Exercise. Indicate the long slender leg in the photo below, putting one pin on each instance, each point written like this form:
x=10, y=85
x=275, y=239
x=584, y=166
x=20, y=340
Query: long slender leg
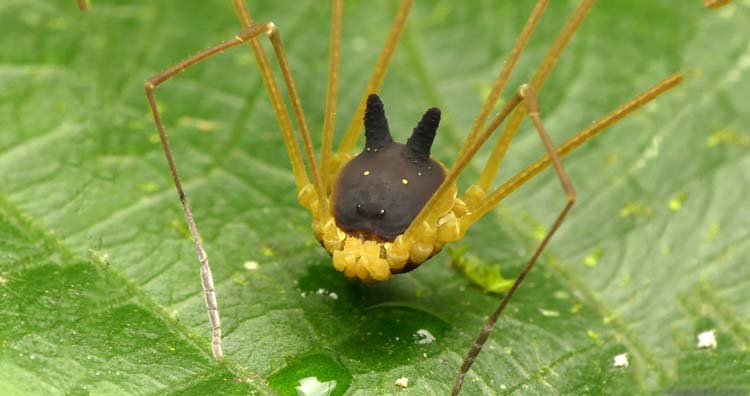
x=428, y=211
x=716, y=3
x=553, y=157
x=532, y=170
x=322, y=209
x=281, y=113
x=532, y=109
x=206, y=276
x=507, y=69
x=571, y=144
x=378, y=74
x=472, y=142
x=326, y=149
x=82, y=5
x=501, y=147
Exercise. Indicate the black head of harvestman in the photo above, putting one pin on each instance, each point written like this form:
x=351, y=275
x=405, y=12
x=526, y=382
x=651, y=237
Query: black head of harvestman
x=392, y=207
x=380, y=191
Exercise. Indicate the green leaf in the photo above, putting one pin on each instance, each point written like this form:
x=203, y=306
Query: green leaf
x=99, y=284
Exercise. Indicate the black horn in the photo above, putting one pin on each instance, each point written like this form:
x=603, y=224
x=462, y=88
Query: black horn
x=377, y=134
x=420, y=142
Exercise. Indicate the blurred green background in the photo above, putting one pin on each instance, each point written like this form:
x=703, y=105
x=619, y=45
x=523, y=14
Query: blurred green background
x=99, y=285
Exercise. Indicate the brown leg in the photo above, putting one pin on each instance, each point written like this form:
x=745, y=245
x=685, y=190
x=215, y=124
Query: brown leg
x=206, y=276
x=532, y=109
x=82, y=5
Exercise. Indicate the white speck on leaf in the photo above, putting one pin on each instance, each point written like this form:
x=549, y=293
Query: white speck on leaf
x=707, y=339
x=310, y=386
x=251, y=265
x=402, y=382
x=621, y=360
x=423, y=336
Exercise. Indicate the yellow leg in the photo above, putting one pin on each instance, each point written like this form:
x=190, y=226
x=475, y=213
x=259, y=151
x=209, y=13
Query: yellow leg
x=475, y=140
x=432, y=208
x=282, y=115
x=326, y=148
x=273, y=91
x=312, y=162
x=502, y=78
x=571, y=144
x=501, y=147
x=716, y=3
x=376, y=80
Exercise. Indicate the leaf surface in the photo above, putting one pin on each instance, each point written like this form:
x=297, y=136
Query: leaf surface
x=99, y=285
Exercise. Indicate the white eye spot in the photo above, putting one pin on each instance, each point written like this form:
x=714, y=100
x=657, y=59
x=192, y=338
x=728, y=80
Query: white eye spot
x=419, y=173
x=366, y=173
x=404, y=181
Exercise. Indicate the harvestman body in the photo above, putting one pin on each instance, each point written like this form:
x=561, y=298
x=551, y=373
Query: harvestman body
x=392, y=207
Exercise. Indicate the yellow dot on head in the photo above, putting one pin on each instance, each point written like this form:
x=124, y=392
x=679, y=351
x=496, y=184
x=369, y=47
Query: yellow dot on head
x=404, y=181
x=366, y=173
